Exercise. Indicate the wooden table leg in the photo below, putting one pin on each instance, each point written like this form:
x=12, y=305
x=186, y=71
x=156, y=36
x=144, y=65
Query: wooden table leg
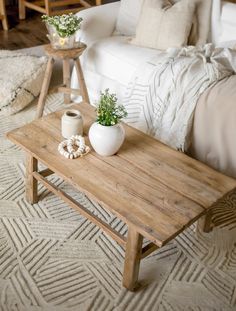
x=132, y=258
x=98, y=2
x=204, y=223
x=31, y=182
x=66, y=79
x=45, y=87
x=82, y=84
x=22, y=9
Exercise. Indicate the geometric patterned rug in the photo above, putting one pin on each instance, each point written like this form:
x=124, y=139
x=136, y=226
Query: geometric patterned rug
x=53, y=259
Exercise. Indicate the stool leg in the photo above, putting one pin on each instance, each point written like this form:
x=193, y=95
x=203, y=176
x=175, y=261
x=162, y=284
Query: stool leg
x=22, y=9
x=83, y=88
x=4, y=15
x=98, y=2
x=45, y=87
x=66, y=79
x=85, y=4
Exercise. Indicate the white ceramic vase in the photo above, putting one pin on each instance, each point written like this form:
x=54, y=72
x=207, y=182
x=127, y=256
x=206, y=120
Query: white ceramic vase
x=106, y=140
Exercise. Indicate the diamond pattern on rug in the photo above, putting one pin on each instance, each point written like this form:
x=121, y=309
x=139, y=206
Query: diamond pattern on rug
x=53, y=259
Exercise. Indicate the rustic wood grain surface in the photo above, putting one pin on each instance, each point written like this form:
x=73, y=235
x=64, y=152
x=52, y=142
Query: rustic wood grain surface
x=157, y=190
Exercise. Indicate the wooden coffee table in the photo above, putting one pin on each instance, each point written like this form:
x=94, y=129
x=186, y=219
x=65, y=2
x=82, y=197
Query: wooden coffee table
x=155, y=190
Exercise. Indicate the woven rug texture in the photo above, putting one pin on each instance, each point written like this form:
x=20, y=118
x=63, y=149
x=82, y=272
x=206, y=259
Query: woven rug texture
x=53, y=259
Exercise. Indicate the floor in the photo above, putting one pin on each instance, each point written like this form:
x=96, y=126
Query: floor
x=27, y=33
x=53, y=259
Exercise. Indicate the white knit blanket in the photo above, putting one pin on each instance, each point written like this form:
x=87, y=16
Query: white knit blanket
x=162, y=96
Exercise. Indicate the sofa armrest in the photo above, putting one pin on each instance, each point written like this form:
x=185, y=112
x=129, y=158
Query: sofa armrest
x=98, y=22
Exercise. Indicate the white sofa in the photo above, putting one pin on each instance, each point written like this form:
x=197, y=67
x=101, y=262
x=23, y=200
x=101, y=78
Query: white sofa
x=110, y=62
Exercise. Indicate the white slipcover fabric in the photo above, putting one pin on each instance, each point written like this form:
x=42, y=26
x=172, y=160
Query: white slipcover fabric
x=128, y=16
x=116, y=58
x=110, y=60
x=223, y=22
x=228, y=22
x=111, y=63
x=98, y=22
x=101, y=74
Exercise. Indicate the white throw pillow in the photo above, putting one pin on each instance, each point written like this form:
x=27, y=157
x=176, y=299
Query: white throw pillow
x=164, y=27
x=215, y=30
x=128, y=17
x=21, y=79
x=204, y=8
x=201, y=21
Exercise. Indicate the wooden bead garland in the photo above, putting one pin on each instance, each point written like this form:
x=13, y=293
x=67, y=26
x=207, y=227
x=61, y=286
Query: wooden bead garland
x=69, y=144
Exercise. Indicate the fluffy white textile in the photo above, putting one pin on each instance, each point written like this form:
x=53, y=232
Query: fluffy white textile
x=21, y=79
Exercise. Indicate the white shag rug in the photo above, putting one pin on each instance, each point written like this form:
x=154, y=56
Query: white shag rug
x=21, y=77
x=53, y=259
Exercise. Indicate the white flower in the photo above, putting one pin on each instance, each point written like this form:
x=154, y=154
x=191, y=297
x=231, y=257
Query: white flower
x=65, y=25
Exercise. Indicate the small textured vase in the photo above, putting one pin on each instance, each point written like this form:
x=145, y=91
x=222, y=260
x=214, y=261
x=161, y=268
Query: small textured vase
x=71, y=123
x=106, y=140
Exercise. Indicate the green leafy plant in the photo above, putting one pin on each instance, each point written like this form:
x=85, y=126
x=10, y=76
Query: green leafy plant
x=108, y=111
x=65, y=25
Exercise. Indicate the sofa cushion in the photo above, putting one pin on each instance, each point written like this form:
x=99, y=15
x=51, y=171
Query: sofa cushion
x=130, y=11
x=161, y=27
x=116, y=58
x=201, y=24
x=201, y=21
x=128, y=17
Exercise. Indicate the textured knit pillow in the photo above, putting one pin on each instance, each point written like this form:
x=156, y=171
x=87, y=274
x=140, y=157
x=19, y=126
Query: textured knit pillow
x=21, y=79
x=128, y=16
x=201, y=22
x=161, y=27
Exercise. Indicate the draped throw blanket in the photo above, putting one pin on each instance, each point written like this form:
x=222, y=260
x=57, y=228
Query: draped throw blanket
x=162, y=96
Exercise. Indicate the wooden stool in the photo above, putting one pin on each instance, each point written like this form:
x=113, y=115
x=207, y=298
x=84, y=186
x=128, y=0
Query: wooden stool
x=55, y=7
x=3, y=15
x=65, y=56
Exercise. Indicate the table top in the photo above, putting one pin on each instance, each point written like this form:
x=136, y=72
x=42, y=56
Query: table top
x=147, y=184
